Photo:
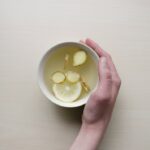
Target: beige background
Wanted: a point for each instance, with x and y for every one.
(28, 121)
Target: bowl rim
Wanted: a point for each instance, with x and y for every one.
(42, 85)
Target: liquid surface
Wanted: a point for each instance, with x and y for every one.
(55, 62)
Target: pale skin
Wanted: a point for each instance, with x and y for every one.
(98, 110)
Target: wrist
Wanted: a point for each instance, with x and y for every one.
(89, 137)
(96, 131)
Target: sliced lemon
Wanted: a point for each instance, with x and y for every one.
(67, 92)
(79, 58)
(58, 77)
(72, 76)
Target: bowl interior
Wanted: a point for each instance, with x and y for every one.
(48, 93)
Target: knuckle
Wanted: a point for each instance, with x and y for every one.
(101, 98)
(95, 96)
(95, 99)
(105, 97)
(108, 74)
(117, 82)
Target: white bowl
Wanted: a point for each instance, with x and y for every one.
(41, 80)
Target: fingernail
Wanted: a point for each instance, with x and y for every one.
(82, 41)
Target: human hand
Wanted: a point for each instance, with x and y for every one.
(98, 110)
(101, 102)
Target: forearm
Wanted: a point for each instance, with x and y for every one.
(89, 137)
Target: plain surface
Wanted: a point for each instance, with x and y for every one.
(28, 121)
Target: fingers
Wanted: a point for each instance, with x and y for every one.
(116, 82)
(105, 87)
(113, 69)
(115, 77)
(109, 68)
(95, 47)
(82, 41)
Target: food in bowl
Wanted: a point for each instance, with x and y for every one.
(70, 73)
